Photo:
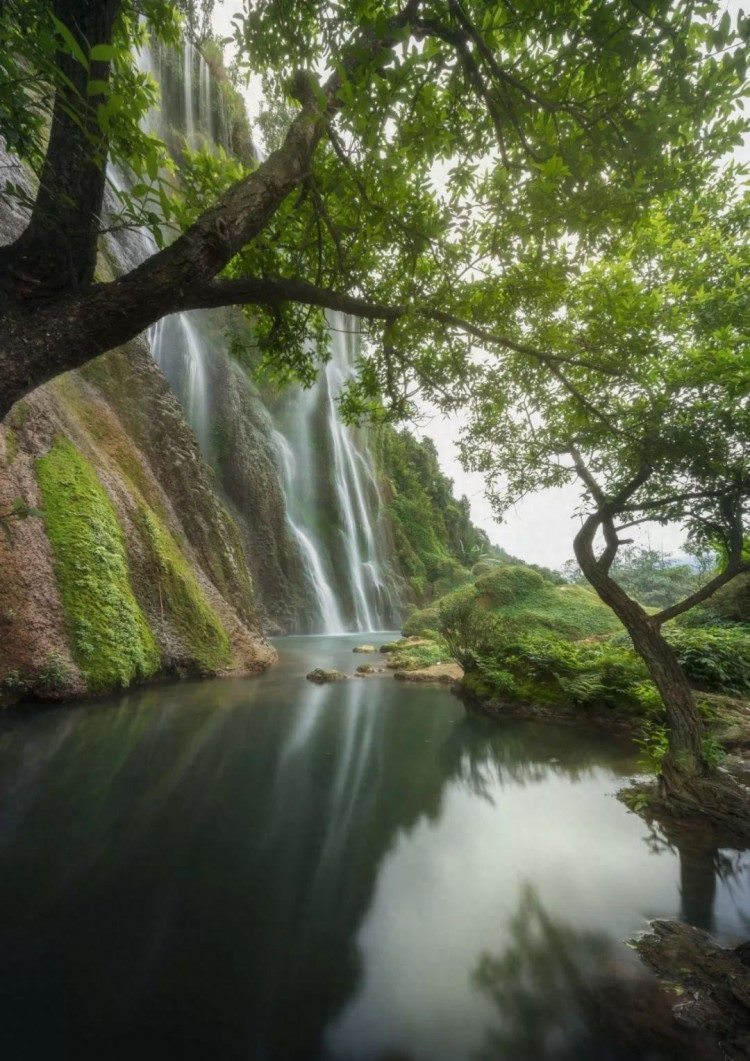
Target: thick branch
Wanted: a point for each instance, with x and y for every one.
(272, 292)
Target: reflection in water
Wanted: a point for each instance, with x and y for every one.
(565, 995)
(269, 869)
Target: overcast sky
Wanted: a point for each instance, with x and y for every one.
(540, 529)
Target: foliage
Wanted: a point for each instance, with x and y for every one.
(654, 745)
(507, 584)
(110, 638)
(182, 600)
(650, 577)
(434, 536)
(468, 630)
(523, 603)
(34, 44)
(413, 656)
(731, 603)
(715, 658)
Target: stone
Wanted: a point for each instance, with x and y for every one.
(320, 676)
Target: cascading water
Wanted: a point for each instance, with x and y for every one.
(187, 88)
(324, 468)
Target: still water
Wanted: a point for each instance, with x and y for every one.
(264, 868)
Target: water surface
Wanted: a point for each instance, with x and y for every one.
(264, 868)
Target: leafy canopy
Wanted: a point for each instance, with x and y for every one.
(650, 375)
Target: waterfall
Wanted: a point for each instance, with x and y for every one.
(293, 490)
(187, 88)
(179, 350)
(324, 468)
(204, 97)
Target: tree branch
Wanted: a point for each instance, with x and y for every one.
(255, 291)
(700, 595)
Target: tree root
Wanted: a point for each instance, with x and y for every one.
(715, 803)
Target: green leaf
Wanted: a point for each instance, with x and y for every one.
(103, 53)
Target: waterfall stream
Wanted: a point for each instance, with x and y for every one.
(333, 509)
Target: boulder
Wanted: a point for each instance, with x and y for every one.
(365, 648)
(320, 676)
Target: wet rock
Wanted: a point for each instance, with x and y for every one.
(321, 676)
(365, 648)
(710, 985)
(365, 669)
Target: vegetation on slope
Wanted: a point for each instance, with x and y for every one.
(111, 640)
(523, 640)
(183, 600)
(435, 541)
(521, 600)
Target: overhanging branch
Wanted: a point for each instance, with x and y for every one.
(273, 292)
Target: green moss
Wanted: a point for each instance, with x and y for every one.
(11, 445)
(111, 640)
(182, 599)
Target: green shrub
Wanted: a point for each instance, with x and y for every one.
(715, 658)
(422, 622)
(469, 631)
(507, 583)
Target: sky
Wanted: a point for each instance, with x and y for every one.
(540, 529)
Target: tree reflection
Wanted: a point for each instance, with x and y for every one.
(564, 994)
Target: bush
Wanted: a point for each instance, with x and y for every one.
(469, 631)
(421, 622)
(713, 657)
(508, 583)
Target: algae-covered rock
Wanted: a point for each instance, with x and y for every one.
(365, 648)
(320, 676)
(367, 668)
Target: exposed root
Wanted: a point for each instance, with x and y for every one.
(715, 803)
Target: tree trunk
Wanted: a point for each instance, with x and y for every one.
(684, 759)
(57, 250)
(684, 724)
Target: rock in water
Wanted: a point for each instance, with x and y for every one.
(364, 648)
(320, 676)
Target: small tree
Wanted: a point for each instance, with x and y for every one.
(643, 402)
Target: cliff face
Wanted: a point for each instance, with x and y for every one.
(118, 562)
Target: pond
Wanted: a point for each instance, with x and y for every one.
(263, 868)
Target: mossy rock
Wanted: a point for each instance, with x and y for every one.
(110, 639)
(188, 611)
(320, 676)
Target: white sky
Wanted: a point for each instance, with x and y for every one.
(541, 528)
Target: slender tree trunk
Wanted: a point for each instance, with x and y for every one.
(684, 759)
(57, 251)
(684, 724)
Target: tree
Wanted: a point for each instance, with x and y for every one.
(649, 415)
(436, 133)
